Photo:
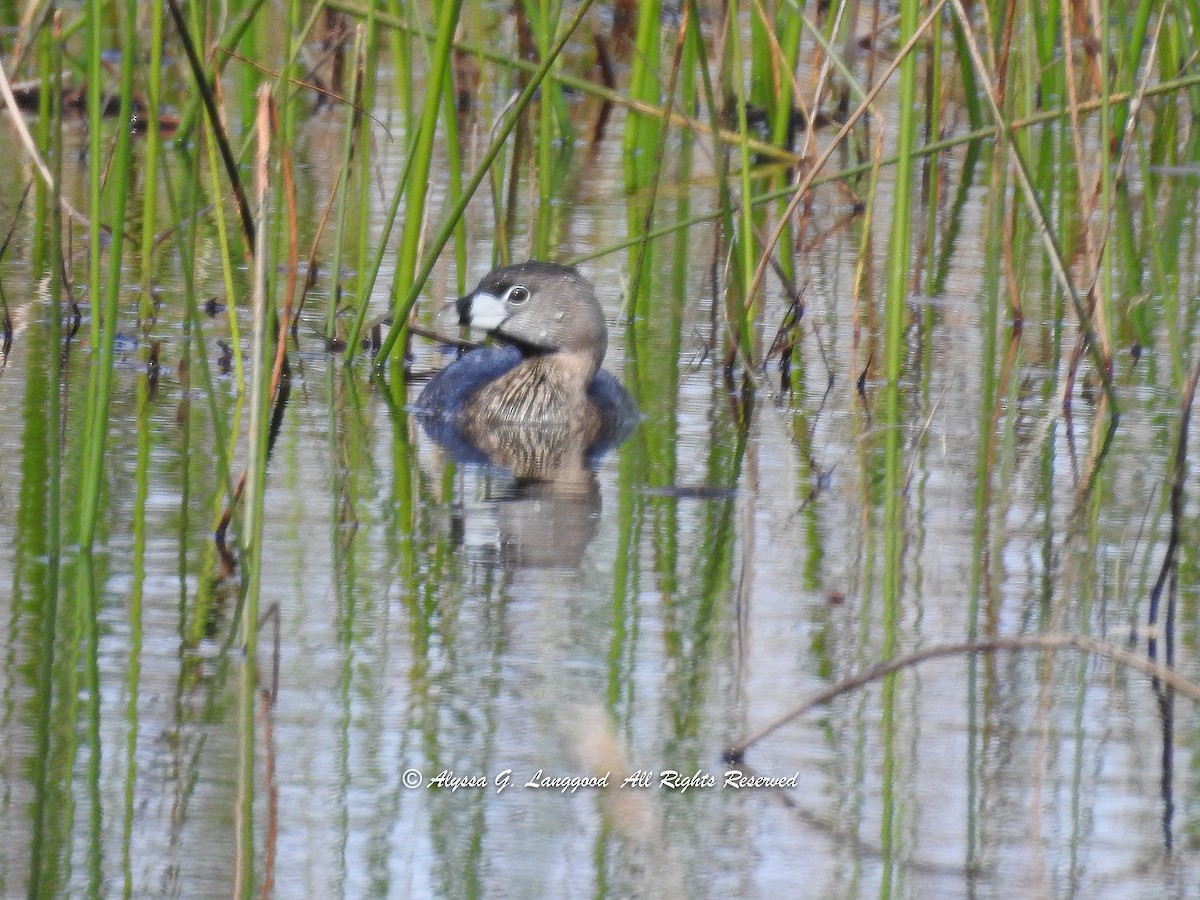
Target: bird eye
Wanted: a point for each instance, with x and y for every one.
(517, 294)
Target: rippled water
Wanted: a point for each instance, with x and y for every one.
(727, 562)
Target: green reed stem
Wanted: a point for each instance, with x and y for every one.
(221, 429)
(763, 71)
(725, 206)
(454, 158)
(231, 40)
(95, 188)
(252, 537)
(133, 677)
(44, 695)
(1043, 26)
(365, 87)
(641, 134)
(643, 224)
(286, 106)
(900, 241)
(402, 60)
(414, 218)
(88, 600)
(54, 406)
(47, 89)
(933, 181)
(227, 266)
(367, 279)
(260, 372)
(354, 119)
(970, 85)
(214, 118)
(487, 113)
(1114, 181)
(743, 311)
(153, 142)
(789, 25)
(1130, 51)
(895, 312)
(290, 85)
(1104, 303)
(538, 12)
(402, 309)
(104, 334)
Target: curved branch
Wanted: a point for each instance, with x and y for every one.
(1167, 676)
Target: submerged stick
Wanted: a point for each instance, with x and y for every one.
(1052, 642)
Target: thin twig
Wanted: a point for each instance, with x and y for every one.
(308, 85)
(311, 267)
(912, 463)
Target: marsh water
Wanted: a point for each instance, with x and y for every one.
(429, 625)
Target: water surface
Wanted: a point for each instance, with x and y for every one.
(725, 563)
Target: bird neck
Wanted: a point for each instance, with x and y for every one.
(580, 364)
